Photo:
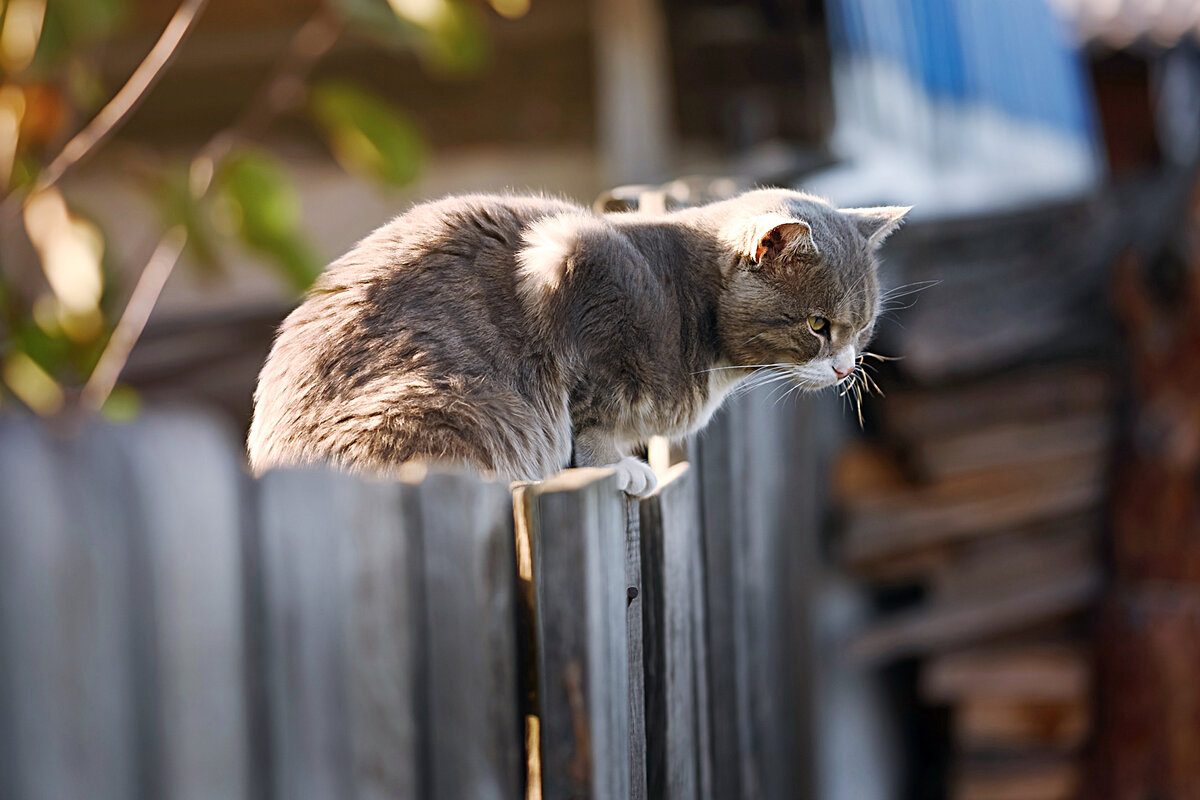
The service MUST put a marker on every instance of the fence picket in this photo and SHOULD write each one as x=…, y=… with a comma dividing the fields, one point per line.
x=69, y=715
x=634, y=636
x=470, y=616
x=578, y=543
x=677, y=722
x=186, y=487
x=342, y=595
x=757, y=504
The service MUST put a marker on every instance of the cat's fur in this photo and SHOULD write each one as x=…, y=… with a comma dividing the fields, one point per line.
x=506, y=332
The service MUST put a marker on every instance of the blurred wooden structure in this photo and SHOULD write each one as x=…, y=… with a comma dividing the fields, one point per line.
x=980, y=494
x=171, y=628
x=1149, y=643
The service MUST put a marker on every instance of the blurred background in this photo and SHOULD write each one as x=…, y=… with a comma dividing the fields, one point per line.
x=1009, y=591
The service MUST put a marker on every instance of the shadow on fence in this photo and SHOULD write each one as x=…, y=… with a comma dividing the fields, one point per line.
x=171, y=628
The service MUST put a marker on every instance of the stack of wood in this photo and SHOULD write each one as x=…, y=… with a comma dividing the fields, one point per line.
x=980, y=490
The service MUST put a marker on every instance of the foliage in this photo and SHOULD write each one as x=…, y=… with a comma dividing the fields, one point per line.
x=54, y=325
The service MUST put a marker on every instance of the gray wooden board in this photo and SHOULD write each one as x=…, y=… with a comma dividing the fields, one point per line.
x=677, y=722
x=341, y=597
x=186, y=476
x=633, y=632
x=578, y=542
x=758, y=516
x=69, y=726
x=470, y=618
x=718, y=460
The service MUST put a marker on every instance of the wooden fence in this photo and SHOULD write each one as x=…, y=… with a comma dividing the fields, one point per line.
x=170, y=628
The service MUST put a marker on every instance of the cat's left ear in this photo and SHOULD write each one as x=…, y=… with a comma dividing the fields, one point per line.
x=876, y=224
x=775, y=234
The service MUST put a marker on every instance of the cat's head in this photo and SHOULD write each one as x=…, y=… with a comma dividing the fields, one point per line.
x=801, y=292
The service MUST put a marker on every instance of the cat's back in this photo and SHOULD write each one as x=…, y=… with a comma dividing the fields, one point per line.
x=464, y=231
x=433, y=291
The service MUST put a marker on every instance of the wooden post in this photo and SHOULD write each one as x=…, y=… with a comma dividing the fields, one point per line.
x=633, y=638
x=1148, y=743
x=678, y=725
x=342, y=602
x=633, y=99
x=469, y=569
x=759, y=500
x=186, y=491
x=578, y=535
x=69, y=697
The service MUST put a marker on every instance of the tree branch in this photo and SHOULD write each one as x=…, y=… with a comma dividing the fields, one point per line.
x=122, y=104
x=283, y=89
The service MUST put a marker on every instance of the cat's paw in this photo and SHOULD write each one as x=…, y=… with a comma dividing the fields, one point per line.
x=634, y=476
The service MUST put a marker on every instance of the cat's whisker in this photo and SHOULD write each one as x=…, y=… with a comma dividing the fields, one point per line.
x=756, y=336
x=872, y=385
x=858, y=403
x=907, y=289
x=758, y=379
x=888, y=309
x=743, y=366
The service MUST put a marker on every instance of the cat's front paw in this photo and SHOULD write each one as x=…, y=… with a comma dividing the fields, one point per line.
x=634, y=476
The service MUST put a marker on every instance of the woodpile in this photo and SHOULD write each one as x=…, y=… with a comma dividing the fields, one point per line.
x=980, y=490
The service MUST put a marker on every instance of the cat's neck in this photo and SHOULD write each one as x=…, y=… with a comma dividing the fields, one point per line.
x=677, y=242
x=689, y=258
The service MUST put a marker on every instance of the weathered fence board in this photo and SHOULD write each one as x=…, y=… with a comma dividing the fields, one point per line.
x=184, y=481
x=633, y=636
x=327, y=541
x=392, y=656
x=755, y=555
x=470, y=616
x=578, y=542
x=66, y=621
x=678, y=747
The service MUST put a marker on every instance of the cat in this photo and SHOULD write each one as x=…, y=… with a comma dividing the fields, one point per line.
x=510, y=333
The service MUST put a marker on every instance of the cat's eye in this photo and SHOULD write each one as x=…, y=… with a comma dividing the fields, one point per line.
x=818, y=324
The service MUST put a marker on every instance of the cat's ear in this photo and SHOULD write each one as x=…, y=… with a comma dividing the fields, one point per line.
x=876, y=224
x=776, y=234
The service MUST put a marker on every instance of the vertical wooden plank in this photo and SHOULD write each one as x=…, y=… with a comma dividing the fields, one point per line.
x=720, y=459
x=69, y=726
x=342, y=606
x=578, y=538
x=691, y=536
x=633, y=635
x=760, y=525
x=677, y=723
x=470, y=618
x=187, y=481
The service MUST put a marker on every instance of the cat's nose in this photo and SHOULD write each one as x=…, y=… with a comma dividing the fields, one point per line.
x=842, y=373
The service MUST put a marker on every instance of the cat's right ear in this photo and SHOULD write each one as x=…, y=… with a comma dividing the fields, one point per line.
x=775, y=234
x=876, y=224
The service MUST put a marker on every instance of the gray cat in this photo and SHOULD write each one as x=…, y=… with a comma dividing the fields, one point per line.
x=505, y=333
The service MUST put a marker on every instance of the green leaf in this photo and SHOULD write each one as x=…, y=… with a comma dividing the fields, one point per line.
x=449, y=36
x=179, y=206
x=71, y=23
x=51, y=353
x=266, y=214
x=122, y=405
x=457, y=42
x=367, y=136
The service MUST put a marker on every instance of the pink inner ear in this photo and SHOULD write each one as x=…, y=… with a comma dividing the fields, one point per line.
x=773, y=239
x=779, y=237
